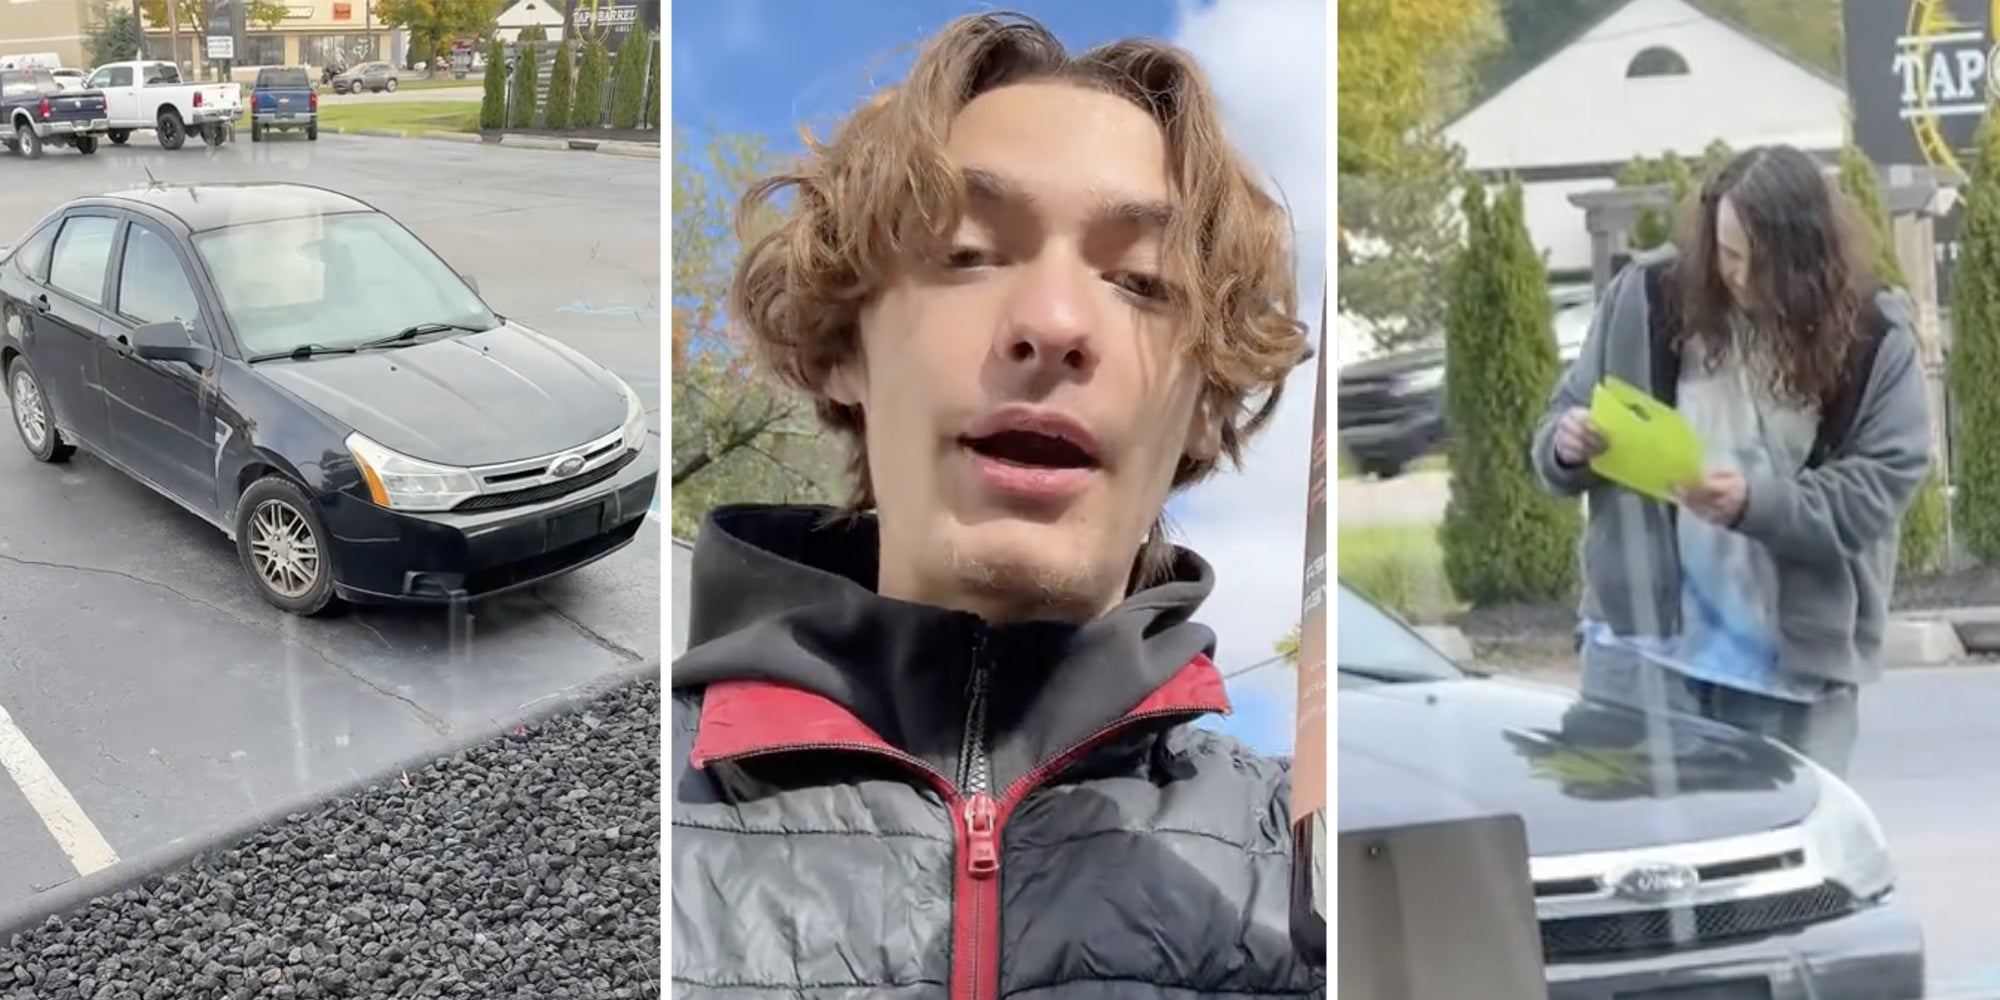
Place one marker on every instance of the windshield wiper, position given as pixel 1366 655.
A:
pixel 301 352
pixel 410 333
pixel 1393 675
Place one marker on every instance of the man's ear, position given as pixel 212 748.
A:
pixel 1204 440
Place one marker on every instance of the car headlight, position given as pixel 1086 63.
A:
pixel 635 418
pixel 1845 839
pixel 1423 380
pixel 399 482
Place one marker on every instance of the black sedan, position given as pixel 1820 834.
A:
pixel 1681 858
pixel 299 370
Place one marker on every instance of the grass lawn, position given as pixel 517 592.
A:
pixel 438 83
pixel 1429 463
pixel 404 116
pixel 1399 566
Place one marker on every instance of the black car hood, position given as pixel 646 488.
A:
pixel 1399 363
pixel 505 394
pixel 1582 775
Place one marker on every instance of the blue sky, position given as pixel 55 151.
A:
pixel 765 67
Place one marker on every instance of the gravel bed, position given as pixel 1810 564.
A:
pixel 525 867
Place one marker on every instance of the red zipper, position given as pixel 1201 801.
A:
pixel 977 821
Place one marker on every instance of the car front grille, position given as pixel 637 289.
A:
pixel 1713 923
pixel 547 491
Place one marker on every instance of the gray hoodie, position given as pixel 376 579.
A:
pixel 1833 527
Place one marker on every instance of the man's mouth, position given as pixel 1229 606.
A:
pixel 1031 450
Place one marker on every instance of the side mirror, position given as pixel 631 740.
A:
pixel 169 341
pixel 470 282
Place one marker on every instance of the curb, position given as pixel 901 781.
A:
pixel 607 147
pixel 130 873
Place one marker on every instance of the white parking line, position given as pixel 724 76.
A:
pixel 74 832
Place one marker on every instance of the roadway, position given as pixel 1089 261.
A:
pixel 147 696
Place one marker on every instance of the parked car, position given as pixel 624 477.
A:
pixel 1732 868
pixel 70 78
pixel 37 111
pixel 1391 410
pixel 283 97
pixel 371 76
pixel 299 370
pixel 151 95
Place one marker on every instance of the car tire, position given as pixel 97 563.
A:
pixel 256 132
pixel 214 133
pixel 1382 468
pixel 171 130
pixel 118 136
pixel 389 85
pixel 86 144
pixel 26 142
pixel 282 545
pixel 32 419
pixel 312 133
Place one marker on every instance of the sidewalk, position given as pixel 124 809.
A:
pixel 608 147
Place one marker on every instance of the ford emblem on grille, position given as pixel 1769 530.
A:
pixel 1654 881
pixel 566 466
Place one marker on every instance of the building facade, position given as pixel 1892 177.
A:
pixel 43 31
pixel 312 33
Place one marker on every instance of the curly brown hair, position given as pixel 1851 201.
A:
pixel 881 192
pixel 1812 277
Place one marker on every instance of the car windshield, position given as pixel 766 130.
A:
pixel 1373 645
pixel 288 77
pixel 332 281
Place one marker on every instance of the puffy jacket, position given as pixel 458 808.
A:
pixel 873 798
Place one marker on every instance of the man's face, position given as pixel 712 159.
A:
pixel 1732 251
pixel 1024 399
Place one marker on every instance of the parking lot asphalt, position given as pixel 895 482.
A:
pixel 147 696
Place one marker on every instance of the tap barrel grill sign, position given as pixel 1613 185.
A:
pixel 1919 84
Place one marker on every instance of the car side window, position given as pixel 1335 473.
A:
pixel 121 76
pixel 82 254
pixel 153 287
pixel 31 258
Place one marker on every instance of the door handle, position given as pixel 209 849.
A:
pixel 123 345
pixel 42 303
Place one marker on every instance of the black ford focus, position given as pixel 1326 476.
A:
pixel 301 371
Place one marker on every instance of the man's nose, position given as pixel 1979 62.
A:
pixel 1048 323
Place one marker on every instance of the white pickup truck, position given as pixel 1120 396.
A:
pixel 142 95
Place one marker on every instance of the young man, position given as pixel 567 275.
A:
pixel 940 744
pixel 1759 598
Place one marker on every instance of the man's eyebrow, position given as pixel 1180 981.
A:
pixel 985 185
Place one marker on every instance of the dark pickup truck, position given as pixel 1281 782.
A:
pixel 37 111
pixel 283 98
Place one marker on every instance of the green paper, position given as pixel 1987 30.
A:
pixel 1649 448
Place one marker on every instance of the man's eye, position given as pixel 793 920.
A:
pixel 1146 286
pixel 960 258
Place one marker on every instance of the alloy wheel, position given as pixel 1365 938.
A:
pixel 29 412
pixel 283 549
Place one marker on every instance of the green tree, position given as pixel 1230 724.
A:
pixel 591 76
pixel 1973 366
pixel 555 112
pixel 527 66
pixel 1923 531
pixel 653 86
pixel 434 24
pixel 1402 233
pixel 114 33
pixel 1655 226
pixel 735 436
pixel 193 14
pixel 628 82
pixel 493 106
pixel 1504 537
pixel 1287 646
pixel 1404 65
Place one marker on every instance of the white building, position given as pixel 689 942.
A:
pixel 1651 76
pixel 548 14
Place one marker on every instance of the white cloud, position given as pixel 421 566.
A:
pixel 1267 60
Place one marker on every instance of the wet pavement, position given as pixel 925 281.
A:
pixel 147 696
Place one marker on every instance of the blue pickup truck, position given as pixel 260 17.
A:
pixel 37 112
pixel 283 98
